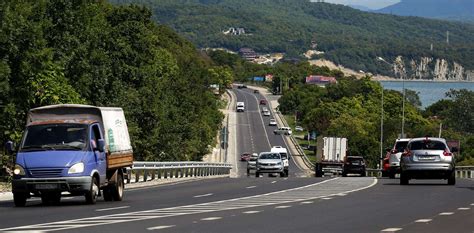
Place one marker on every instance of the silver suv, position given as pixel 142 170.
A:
pixel 269 162
pixel 395 154
pixel 427 158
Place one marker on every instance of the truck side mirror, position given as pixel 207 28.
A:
pixel 10 147
pixel 101 145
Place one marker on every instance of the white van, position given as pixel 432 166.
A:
pixel 240 106
pixel 284 157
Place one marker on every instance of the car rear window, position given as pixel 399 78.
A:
pixel 400 146
pixel 349 159
pixel 427 145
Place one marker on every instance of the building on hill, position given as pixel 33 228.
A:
pixel 320 80
pixel 248 54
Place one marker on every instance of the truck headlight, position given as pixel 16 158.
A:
pixel 19 170
pixel 279 163
pixel 76 168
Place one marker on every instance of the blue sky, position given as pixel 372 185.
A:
pixel 373 4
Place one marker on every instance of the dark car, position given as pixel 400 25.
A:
pixel 354 165
pixel 245 157
pixel 263 102
pixel 255 91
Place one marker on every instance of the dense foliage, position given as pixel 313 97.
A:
pixel 347 36
pixel 90 52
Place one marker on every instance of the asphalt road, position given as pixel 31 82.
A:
pixel 342 204
pixel 254 135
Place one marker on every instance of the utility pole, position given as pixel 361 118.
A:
pixel 381 132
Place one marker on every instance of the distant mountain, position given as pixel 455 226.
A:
pixel 347 37
pixel 359 7
pixel 441 9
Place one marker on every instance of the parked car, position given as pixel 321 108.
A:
pixel 299 129
pixel 427 158
pixel 263 102
pixel 269 162
pixel 245 156
pixel 283 130
pixel 394 155
pixel 354 165
pixel 256 91
pixel 272 122
pixel 240 86
pixel 266 113
pixel 251 163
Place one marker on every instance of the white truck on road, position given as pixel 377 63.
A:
pixel 330 154
pixel 285 157
pixel 240 106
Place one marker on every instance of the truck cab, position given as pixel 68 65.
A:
pixel 65 148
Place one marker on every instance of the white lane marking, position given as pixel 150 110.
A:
pixel 446 213
pixel 273 182
pixel 250 187
pixel 113 208
pixel 308 192
pixel 391 229
pixel 472 204
pixel 251 212
pixel 283 207
pixel 307 202
pixel 159 227
pixel 261 118
pixel 424 220
pixel 204 195
pixel 211 218
pixel 327 198
pixel 341 194
pixel 67 198
pixel 464 208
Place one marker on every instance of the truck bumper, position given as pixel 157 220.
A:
pixel 60 184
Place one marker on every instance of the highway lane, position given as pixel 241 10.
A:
pixel 253 132
pixel 326 205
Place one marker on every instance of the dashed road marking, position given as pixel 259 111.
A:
pixel 211 218
pixel 464 208
pixel 251 212
pixel 424 220
pixel 250 187
pixel 273 181
pixel 294 195
pixel 307 202
pixel 446 213
pixel 326 198
pixel 341 194
pixel 472 204
pixel 159 227
pixel 204 195
pixel 283 207
pixel 391 229
pixel 113 208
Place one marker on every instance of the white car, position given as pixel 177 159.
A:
pixel 299 129
pixel 266 113
pixel 272 122
pixel 283 130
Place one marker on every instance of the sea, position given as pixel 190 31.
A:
pixel 429 92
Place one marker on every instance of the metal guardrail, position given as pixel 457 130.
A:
pixel 164 170
pixel 297 146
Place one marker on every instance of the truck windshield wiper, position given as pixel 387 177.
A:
pixel 38 147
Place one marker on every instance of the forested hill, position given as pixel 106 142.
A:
pixel 91 52
pixel 347 36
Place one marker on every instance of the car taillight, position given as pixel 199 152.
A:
pixel 406 153
pixel 447 153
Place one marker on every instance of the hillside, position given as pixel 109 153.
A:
pixel 442 9
pixel 347 36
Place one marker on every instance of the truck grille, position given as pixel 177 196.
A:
pixel 46 172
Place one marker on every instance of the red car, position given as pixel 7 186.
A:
pixel 245 157
pixel 263 102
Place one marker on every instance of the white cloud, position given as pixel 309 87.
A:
pixel 373 4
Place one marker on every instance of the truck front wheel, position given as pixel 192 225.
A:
pixel 91 195
pixel 19 199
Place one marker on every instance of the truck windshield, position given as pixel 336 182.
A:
pixel 55 137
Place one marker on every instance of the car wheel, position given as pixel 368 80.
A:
pixel 452 178
pixel 362 174
pixel 344 174
pixel 391 175
pixel 319 170
pixel 257 174
pixel 248 172
pixel 19 199
pixel 404 180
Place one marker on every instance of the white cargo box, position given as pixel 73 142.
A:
pixel 331 149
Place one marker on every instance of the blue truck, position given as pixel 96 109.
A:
pixel 72 149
